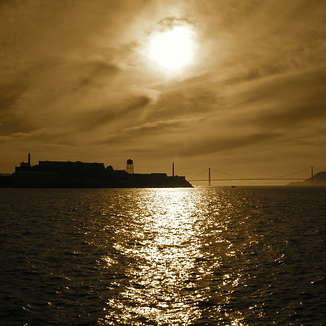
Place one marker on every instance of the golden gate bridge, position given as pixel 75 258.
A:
pixel 229 177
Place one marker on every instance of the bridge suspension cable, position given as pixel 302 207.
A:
pixel 318 169
pixel 282 177
pixel 230 175
pixel 198 173
pixel 287 175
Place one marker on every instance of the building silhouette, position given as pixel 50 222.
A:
pixel 66 174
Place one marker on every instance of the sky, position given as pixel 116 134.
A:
pixel 78 83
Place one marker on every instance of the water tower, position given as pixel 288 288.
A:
pixel 130 166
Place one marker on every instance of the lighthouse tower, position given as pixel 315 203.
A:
pixel 130 166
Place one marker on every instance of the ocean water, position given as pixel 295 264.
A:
pixel 202 256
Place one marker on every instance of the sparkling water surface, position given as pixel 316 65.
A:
pixel 202 256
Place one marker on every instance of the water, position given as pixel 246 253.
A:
pixel 203 256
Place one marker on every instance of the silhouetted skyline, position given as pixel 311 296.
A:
pixel 244 91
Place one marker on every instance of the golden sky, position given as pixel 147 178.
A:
pixel 79 81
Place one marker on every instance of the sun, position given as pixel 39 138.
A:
pixel 173 48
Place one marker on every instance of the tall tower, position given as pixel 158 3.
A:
pixel 130 166
pixel 312 175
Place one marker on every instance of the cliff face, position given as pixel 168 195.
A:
pixel 318 180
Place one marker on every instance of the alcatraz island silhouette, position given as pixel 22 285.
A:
pixel 66 174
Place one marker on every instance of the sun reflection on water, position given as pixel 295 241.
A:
pixel 168 266
pixel 166 255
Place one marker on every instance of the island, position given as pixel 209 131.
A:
pixel 66 174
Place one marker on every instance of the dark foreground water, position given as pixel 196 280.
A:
pixel 204 256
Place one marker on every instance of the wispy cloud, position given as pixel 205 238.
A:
pixel 74 78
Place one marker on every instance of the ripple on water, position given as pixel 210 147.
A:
pixel 205 256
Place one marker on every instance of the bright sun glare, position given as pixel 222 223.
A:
pixel 173 48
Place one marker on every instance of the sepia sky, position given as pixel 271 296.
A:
pixel 78 83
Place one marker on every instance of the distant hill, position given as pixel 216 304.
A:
pixel 318 180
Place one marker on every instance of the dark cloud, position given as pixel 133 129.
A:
pixel 95 74
pixel 213 145
pixel 10 96
pixel 97 118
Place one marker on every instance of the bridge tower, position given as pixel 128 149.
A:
pixel 312 175
pixel 130 166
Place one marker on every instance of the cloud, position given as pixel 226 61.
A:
pixel 95 119
pixel 55 68
pixel 74 78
